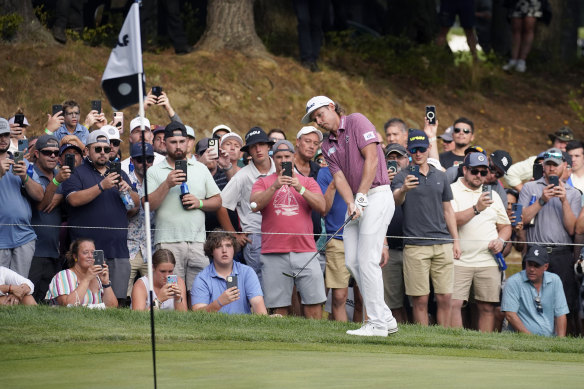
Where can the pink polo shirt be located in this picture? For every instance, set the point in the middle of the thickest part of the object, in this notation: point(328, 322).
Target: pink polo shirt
point(343, 152)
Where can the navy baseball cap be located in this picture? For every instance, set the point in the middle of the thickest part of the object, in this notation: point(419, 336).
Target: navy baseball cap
point(476, 159)
point(136, 150)
point(537, 254)
point(417, 138)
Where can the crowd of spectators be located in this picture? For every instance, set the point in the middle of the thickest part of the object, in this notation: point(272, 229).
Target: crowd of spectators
point(231, 216)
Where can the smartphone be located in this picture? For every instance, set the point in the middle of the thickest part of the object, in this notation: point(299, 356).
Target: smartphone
point(96, 105)
point(70, 161)
point(555, 180)
point(392, 166)
point(57, 108)
point(414, 170)
point(172, 279)
point(181, 164)
point(18, 156)
point(537, 171)
point(157, 91)
point(213, 145)
point(231, 281)
point(22, 144)
point(517, 210)
point(19, 119)
point(116, 167)
point(98, 258)
point(431, 114)
point(287, 169)
point(489, 190)
point(119, 121)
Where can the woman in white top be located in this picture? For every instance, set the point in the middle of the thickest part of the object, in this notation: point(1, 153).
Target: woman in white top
point(14, 288)
point(84, 283)
point(166, 295)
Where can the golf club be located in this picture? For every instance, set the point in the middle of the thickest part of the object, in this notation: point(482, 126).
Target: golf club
point(294, 275)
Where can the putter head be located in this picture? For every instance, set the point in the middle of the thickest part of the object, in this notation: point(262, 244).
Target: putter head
point(289, 275)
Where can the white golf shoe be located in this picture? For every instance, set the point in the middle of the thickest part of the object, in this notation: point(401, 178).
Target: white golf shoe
point(369, 329)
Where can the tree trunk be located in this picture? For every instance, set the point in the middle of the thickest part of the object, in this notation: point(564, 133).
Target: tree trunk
point(557, 42)
point(30, 30)
point(230, 25)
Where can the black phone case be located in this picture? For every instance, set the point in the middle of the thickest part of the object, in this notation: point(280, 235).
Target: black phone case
point(181, 165)
point(96, 105)
point(287, 169)
point(431, 114)
point(231, 281)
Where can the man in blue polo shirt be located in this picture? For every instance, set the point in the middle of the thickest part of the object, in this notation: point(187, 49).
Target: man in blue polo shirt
point(533, 299)
point(93, 192)
point(210, 291)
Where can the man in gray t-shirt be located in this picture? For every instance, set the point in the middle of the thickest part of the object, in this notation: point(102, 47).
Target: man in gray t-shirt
point(425, 195)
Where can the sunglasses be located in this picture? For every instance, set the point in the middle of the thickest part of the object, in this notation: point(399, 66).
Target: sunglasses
point(496, 172)
point(149, 159)
point(553, 155)
point(538, 305)
point(418, 150)
point(115, 142)
point(105, 149)
point(483, 173)
point(50, 153)
point(465, 130)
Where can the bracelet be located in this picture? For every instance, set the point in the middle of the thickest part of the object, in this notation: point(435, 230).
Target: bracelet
point(105, 286)
point(502, 240)
point(476, 210)
point(99, 186)
point(302, 190)
point(49, 132)
point(57, 183)
point(25, 179)
point(386, 246)
point(432, 139)
point(200, 204)
point(219, 302)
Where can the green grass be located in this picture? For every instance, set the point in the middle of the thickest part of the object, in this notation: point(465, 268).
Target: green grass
point(112, 349)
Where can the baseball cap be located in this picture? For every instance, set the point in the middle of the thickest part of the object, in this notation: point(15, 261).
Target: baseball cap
point(4, 126)
point(135, 123)
point(537, 254)
point(231, 135)
point(24, 122)
point(553, 155)
point(190, 131)
point(476, 159)
point(256, 135)
point(136, 150)
point(218, 128)
point(157, 129)
point(307, 130)
point(501, 159)
point(201, 146)
point(289, 146)
point(447, 136)
point(564, 134)
point(93, 137)
point(46, 141)
point(172, 127)
point(112, 132)
point(417, 138)
point(474, 149)
point(395, 148)
point(313, 104)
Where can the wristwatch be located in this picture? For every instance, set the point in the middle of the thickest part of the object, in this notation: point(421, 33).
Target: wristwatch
point(476, 210)
point(541, 202)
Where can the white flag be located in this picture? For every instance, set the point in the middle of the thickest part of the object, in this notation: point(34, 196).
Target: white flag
point(120, 78)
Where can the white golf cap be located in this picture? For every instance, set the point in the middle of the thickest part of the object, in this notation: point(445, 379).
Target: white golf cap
point(220, 127)
point(231, 135)
point(112, 132)
point(308, 130)
point(314, 104)
point(190, 131)
point(137, 121)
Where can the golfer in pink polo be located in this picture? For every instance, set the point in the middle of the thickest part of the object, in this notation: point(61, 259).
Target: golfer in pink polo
point(357, 164)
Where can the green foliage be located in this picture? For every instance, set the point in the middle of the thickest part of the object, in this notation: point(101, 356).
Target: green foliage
point(42, 15)
point(101, 35)
point(9, 25)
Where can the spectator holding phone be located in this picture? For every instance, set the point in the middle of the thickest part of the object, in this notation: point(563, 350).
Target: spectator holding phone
point(518, 233)
point(16, 244)
point(424, 195)
point(157, 96)
point(84, 283)
point(18, 126)
point(93, 193)
point(180, 220)
point(555, 213)
point(231, 143)
point(70, 125)
point(212, 290)
point(15, 289)
point(169, 290)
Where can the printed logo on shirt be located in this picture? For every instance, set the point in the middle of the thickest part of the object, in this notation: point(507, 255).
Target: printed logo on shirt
point(369, 135)
point(331, 151)
point(285, 203)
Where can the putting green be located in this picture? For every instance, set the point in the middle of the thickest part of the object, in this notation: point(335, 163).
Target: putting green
point(208, 367)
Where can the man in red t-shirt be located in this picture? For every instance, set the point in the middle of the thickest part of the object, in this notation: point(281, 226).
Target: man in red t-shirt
point(286, 203)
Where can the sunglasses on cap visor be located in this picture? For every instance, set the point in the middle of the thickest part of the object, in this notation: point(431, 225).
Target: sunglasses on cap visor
point(115, 142)
point(465, 130)
point(105, 149)
point(418, 149)
point(49, 153)
point(538, 305)
point(553, 155)
point(483, 173)
point(149, 159)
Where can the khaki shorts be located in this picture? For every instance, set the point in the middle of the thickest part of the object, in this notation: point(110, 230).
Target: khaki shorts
point(424, 262)
point(485, 282)
point(393, 280)
point(336, 275)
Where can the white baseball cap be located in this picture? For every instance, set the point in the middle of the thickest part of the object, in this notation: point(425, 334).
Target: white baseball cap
point(190, 131)
point(307, 130)
point(220, 127)
point(314, 104)
point(137, 121)
point(112, 132)
point(231, 135)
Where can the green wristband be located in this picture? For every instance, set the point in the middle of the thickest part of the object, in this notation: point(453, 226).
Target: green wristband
point(47, 131)
point(200, 204)
point(57, 183)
